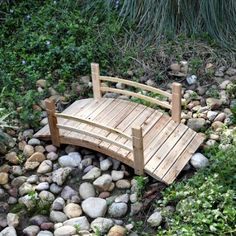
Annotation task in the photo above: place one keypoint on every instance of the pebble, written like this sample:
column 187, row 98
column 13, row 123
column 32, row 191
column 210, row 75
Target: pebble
column 36, row 157
column 39, row 148
column 72, row 210
column 3, row 178
column 12, row 220
column 66, row 230
column 82, row 222
column 102, row 225
column 105, row 164
column 117, row 230
column 57, row 216
column 31, row 230
column 135, row 208
column 68, row 192
column 46, row 196
column 17, row 170
column 122, row 198
column 86, row 190
column 42, row 186
column 38, row 220
column 28, row 150
column 155, row 219
column 25, row 188
column 103, row 183
column 8, row 231
column 58, row 204
column 45, row 233
column 117, row 210
column 94, row 207
column 54, row 188
column 50, row 148
column 213, row 103
column 117, row 175
column 45, row 167
column 196, row 123
column 199, row 161
column 34, row 142
column 123, row 184
column 73, row 159
column 92, row 174
column 52, row 156
column 59, row 176
column 12, row 158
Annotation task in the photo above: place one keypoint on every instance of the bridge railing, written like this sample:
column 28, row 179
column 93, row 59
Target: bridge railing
column 136, row 137
column 175, row 97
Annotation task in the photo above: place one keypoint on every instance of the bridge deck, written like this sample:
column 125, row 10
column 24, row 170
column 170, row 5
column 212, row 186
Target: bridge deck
column 167, row 145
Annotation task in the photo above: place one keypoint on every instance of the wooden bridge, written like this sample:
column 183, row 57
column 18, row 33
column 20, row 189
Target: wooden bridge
column 139, row 136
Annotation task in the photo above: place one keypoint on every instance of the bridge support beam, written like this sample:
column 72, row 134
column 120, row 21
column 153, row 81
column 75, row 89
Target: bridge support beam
column 52, row 122
column 137, row 140
column 176, row 102
column 97, row 93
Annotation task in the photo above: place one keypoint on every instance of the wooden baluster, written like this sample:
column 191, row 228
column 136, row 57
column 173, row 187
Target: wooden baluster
column 137, row 140
column 52, row 121
column 97, row 93
column 176, row 102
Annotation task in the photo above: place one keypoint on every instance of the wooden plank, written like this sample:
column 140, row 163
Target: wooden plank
column 93, row 123
column 137, row 95
column 159, row 140
column 97, row 94
column 175, row 169
column 137, row 142
column 162, row 151
column 52, row 121
column 97, row 107
column 175, row 153
column 81, row 131
column 176, row 102
column 136, row 85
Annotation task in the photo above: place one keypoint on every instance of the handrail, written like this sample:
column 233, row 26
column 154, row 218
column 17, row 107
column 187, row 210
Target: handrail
column 125, row 92
column 86, row 121
column 70, row 128
column 136, row 85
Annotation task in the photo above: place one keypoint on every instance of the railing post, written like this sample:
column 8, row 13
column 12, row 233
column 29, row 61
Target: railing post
column 176, row 102
column 137, row 140
column 97, row 93
column 52, row 121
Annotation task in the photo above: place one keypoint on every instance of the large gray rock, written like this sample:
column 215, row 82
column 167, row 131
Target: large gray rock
column 9, row 231
column 117, row 210
column 86, row 190
column 81, row 221
column 102, row 225
column 73, row 159
column 92, row 174
column 94, row 207
column 66, row 230
column 68, row 192
column 196, row 123
column 199, row 161
column 59, row 176
column 105, row 164
column 103, row 183
column 155, row 219
column 57, row 216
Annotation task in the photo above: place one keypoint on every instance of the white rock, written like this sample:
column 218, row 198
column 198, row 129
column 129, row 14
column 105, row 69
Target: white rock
column 46, row 196
column 86, row 190
column 123, row 184
column 42, row 186
column 31, row 230
column 72, row 210
column 12, row 220
column 45, row 233
column 117, row 175
column 122, row 198
column 57, row 216
column 92, row 174
column 117, row 210
column 155, row 219
column 102, row 225
column 199, row 161
column 45, row 167
column 73, row 159
column 94, row 207
column 81, row 221
column 58, row 204
column 103, row 183
column 25, row 188
column 105, row 164
column 59, row 176
column 66, row 230
column 8, row 231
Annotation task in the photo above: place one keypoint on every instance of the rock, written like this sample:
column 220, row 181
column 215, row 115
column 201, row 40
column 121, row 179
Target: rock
column 72, row 210
column 199, row 161
column 34, row 142
column 45, row 167
column 9, row 231
column 117, row 230
column 12, row 220
column 216, row 125
column 51, row 148
column 28, row 150
column 18, row 181
column 73, row 159
column 6, row 142
column 37, row 157
column 155, row 219
column 117, row 175
column 94, row 207
column 213, row 103
column 3, row 220
column 117, row 210
column 86, row 190
column 82, row 222
column 46, row 196
column 39, row 148
column 92, row 174
column 47, row 226
column 133, row 197
column 42, row 186
column 196, row 123
column 123, row 184
column 220, row 117
column 70, row 148
column 3, row 178
column 102, row 225
column 57, row 216
column 135, row 208
column 103, row 183
column 45, row 233
column 58, row 204
column 54, row 188
column 31, row 165
column 231, row 71
column 116, row 164
column 38, row 220
column 68, row 192
column 41, row 83
column 32, row 179
column 52, row 156
column 12, row 158
column 105, row 164
column 17, row 170
column 175, row 67
column 26, row 188
column 122, row 198
column 59, row 176
column 104, row 195
column 192, row 79
column 211, row 115
column 66, row 230
column 31, row 230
